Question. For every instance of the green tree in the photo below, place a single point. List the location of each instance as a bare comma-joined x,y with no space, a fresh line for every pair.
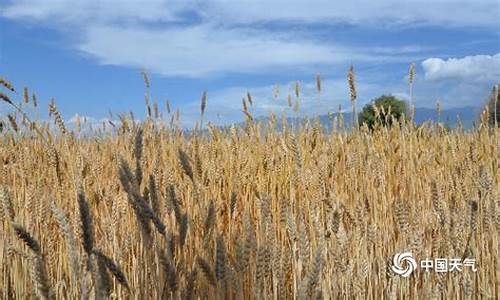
382,110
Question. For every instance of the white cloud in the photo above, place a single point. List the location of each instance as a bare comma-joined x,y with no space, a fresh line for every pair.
193,38
84,120
479,68
198,50
457,82
207,49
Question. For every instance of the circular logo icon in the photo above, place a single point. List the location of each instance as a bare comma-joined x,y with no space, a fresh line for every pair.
403,264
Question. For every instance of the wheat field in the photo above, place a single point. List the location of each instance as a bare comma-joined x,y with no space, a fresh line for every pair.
145,210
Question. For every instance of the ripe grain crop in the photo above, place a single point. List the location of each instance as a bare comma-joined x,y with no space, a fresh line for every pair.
145,210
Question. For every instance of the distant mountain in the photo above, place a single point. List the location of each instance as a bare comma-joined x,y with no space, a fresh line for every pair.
467,116
450,117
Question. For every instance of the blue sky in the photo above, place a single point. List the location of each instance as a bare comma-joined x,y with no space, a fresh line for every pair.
88,54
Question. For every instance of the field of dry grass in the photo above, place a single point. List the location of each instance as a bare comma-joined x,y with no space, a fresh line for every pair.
245,213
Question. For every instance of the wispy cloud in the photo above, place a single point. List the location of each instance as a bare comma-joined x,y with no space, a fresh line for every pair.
80,12
191,38
204,49
465,13
385,12
210,49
